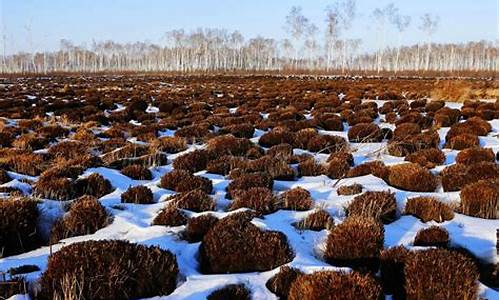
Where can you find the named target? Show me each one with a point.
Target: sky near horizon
(29, 25)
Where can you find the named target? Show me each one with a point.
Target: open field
(248, 187)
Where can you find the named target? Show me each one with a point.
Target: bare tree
(429, 26)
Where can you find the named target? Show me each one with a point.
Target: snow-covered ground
(132, 222)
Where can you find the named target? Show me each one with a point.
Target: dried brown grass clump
(327, 144)
(170, 216)
(433, 236)
(182, 181)
(411, 177)
(303, 136)
(248, 181)
(109, 270)
(138, 194)
(428, 209)
(480, 199)
(337, 168)
(244, 130)
(231, 292)
(196, 200)
(440, 274)
(276, 137)
(427, 158)
(355, 243)
(378, 205)
(25, 163)
(405, 130)
(454, 177)
(277, 167)
(392, 262)
(364, 133)
(474, 155)
(68, 149)
(193, 133)
(56, 188)
(137, 172)
(85, 216)
(228, 145)
(170, 144)
(310, 167)
(280, 283)
(197, 227)
(376, 168)
(94, 185)
(346, 190)
(18, 226)
(335, 285)
(30, 142)
(260, 199)
(296, 199)
(316, 221)
(229, 247)
(462, 141)
(404, 146)
(193, 161)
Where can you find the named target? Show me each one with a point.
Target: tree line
(304, 49)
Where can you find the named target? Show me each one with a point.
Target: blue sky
(42, 23)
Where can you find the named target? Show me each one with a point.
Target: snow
(132, 221)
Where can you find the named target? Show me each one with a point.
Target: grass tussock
(376, 168)
(193, 161)
(280, 283)
(197, 227)
(18, 221)
(229, 247)
(231, 292)
(248, 181)
(377, 205)
(475, 155)
(94, 185)
(85, 216)
(196, 200)
(355, 243)
(365, 133)
(182, 181)
(170, 216)
(392, 263)
(411, 177)
(296, 199)
(316, 221)
(352, 189)
(335, 285)
(428, 158)
(260, 199)
(120, 270)
(433, 236)
(440, 274)
(428, 209)
(480, 199)
(137, 172)
(137, 194)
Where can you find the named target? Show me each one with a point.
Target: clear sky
(41, 24)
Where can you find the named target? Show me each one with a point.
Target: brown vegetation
(440, 274)
(138, 194)
(330, 285)
(411, 177)
(119, 269)
(432, 236)
(378, 205)
(229, 247)
(428, 209)
(355, 243)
